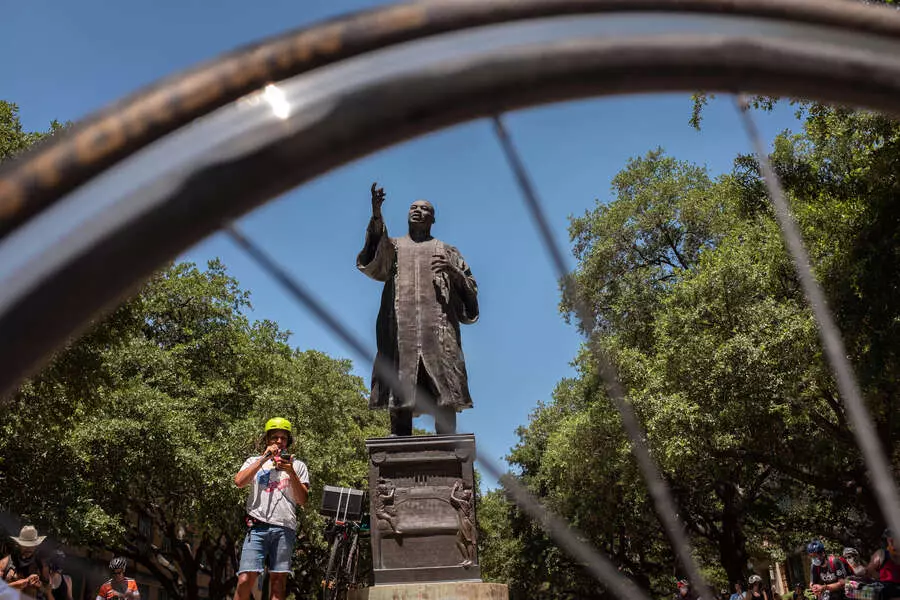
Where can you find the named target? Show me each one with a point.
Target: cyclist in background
(118, 586)
(851, 556)
(757, 591)
(827, 572)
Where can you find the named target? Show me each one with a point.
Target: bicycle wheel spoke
(659, 491)
(557, 528)
(863, 427)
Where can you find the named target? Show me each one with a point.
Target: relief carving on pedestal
(385, 510)
(462, 499)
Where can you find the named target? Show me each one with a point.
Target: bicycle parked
(345, 526)
(342, 572)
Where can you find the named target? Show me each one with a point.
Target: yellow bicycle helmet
(280, 423)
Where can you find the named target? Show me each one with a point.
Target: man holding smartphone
(279, 483)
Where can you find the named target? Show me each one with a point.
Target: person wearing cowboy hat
(25, 571)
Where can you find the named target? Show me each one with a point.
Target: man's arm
(20, 584)
(245, 475)
(874, 566)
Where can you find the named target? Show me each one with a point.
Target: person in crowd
(757, 591)
(24, 570)
(827, 572)
(279, 483)
(684, 591)
(60, 583)
(851, 557)
(739, 593)
(884, 566)
(118, 586)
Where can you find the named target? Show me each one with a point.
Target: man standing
(279, 483)
(25, 571)
(428, 291)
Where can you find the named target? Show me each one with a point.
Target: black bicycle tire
(35, 325)
(332, 568)
(338, 591)
(41, 176)
(353, 558)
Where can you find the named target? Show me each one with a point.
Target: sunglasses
(119, 572)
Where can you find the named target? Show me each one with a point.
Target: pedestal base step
(463, 590)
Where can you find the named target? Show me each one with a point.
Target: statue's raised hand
(377, 200)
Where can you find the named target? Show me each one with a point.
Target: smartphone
(285, 456)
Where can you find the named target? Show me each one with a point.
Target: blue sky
(63, 60)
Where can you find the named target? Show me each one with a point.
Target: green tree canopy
(148, 417)
(697, 305)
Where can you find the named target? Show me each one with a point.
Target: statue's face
(421, 211)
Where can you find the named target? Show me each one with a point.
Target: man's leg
(245, 584)
(281, 549)
(277, 585)
(252, 563)
(445, 420)
(401, 421)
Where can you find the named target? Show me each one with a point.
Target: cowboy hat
(28, 537)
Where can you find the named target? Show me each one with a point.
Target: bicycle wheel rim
(361, 120)
(140, 118)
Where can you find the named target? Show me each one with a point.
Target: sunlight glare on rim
(274, 95)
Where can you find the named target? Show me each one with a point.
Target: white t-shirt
(271, 499)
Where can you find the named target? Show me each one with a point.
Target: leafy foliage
(149, 416)
(128, 441)
(696, 303)
(13, 137)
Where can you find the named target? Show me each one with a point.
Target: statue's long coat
(417, 330)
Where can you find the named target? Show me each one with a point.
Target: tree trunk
(732, 542)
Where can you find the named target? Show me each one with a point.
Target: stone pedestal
(421, 491)
(433, 591)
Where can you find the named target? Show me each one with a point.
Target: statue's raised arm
(377, 255)
(377, 200)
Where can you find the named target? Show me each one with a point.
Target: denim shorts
(264, 541)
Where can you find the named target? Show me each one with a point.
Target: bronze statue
(428, 291)
(461, 498)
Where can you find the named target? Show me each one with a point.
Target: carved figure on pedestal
(428, 292)
(462, 499)
(384, 503)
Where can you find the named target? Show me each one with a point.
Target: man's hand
(817, 589)
(286, 466)
(377, 200)
(272, 450)
(34, 580)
